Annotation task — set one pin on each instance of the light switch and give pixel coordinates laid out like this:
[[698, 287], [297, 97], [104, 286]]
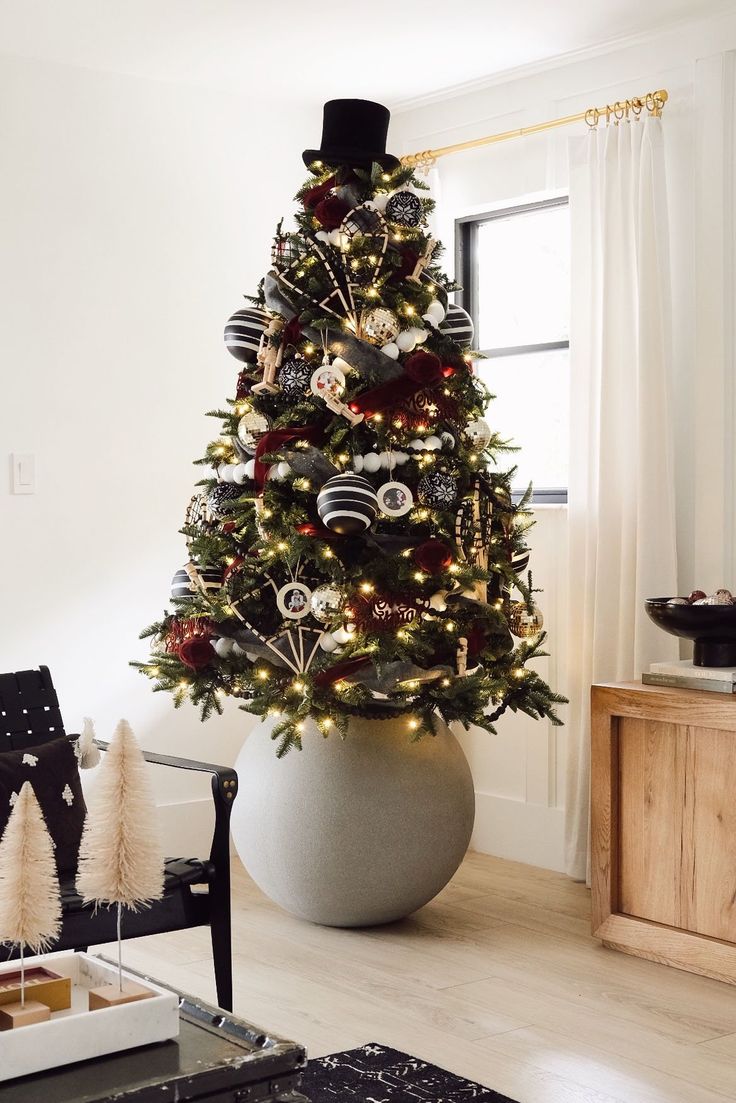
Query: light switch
[[23, 472]]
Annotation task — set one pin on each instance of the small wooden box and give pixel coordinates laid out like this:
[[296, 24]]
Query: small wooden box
[[41, 984], [663, 825]]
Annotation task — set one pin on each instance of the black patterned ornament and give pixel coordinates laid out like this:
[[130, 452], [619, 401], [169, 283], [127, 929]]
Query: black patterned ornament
[[347, 504], [458, 326], [191, 580], [243, 333], [294, 376], [437, 488], [221, 499], [405, 208]]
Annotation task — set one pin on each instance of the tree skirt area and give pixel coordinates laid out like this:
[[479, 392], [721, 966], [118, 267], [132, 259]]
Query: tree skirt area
[[375, 1074]]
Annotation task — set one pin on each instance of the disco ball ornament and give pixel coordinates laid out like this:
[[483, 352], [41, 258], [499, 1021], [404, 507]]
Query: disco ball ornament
[[347, 504], [380, 325], [524, 623], [326, 602], [478, 433], [251, 428]]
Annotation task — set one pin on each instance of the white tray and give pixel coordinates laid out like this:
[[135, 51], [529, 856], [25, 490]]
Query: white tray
[[79, 1034]]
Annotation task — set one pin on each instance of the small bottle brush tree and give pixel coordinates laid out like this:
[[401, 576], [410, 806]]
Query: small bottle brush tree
[[355, 546], [30, 905], [120, 863]]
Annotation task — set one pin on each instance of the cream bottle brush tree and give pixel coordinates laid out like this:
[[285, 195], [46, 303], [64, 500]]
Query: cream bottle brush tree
[[120, 862], [30, 904]]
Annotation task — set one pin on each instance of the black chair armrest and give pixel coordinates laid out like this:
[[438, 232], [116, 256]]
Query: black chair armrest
[[224, 791]]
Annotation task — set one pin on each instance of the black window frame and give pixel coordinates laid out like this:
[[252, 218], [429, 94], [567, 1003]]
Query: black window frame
[[466, 268]]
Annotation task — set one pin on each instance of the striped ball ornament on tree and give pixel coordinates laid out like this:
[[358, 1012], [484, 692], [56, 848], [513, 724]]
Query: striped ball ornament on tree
[[347, 504]]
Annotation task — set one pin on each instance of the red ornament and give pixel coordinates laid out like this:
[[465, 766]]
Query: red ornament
[[331, 211], [424, 368], [196, 652], [291, 332], [311, 198], [432, 556], [230, 568], [409, 258], [184, 628], [477, 638], [243, 387]]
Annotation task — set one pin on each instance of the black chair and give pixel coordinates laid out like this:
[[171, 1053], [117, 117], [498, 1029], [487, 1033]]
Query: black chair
[[30, 716]]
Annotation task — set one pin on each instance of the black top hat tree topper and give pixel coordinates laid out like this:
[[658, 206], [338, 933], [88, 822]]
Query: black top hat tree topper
[[353, 133]]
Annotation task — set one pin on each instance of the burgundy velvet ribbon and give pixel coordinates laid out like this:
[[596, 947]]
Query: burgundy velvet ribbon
[[271, 442]]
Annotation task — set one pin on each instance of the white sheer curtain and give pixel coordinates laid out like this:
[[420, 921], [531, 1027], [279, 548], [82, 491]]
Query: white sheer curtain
[[621, 492]]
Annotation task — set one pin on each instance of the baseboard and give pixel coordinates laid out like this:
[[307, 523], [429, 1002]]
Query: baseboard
[[186, 827], [530, 833]]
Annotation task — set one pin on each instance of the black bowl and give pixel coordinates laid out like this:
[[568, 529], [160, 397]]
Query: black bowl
[[712, 627]]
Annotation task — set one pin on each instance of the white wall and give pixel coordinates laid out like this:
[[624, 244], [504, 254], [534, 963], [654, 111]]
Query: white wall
[[134, 216], [520, 798]]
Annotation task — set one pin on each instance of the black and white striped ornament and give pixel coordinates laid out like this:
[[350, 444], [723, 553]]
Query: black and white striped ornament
[[520, 561], [458, 326], [221, 498], [347, 504], [191, 580], [294, 376], [243, 333]]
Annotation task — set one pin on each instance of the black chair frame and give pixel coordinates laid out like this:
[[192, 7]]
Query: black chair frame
[[30, 716]]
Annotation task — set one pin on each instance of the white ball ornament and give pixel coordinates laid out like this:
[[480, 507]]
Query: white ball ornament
[[357, 464], [240, 472], [391, 350], [433, 443], [437, 601], [328, 643], [380, 200], [430, 320], [342, 636], [385, 458], [372, 463], [436, 310], [400, 458], [340, 364], [417, 445], [250, 469], [225, 472], [223, 647], [322, 235], [420, 335], [406, 340]]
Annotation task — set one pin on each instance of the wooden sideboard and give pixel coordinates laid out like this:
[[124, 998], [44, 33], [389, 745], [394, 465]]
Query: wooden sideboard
[[663, 825]]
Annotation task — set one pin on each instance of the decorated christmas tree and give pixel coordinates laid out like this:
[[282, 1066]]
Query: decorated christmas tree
[[354, 546]]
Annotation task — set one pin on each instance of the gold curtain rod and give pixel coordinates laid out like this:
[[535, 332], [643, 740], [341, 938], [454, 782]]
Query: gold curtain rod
[[653, 102]]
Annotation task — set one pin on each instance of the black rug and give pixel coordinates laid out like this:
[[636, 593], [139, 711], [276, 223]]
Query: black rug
[[376, 1074]]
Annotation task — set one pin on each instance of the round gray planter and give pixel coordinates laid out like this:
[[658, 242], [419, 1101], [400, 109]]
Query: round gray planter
[[357, 832]]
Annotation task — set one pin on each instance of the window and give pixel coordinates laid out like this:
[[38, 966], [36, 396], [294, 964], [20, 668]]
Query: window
[[514, 265]]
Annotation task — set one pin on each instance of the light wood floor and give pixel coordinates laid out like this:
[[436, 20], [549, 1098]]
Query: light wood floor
[[497, 980]]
